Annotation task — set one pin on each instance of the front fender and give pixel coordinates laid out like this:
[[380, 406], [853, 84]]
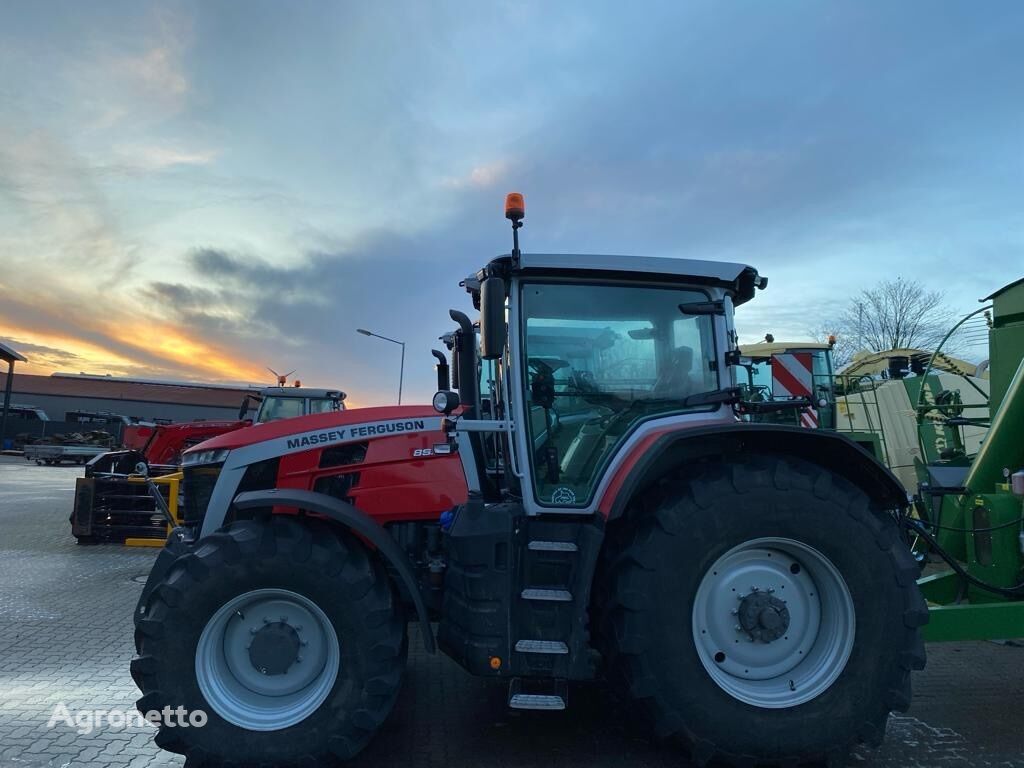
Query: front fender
[[359, 523]]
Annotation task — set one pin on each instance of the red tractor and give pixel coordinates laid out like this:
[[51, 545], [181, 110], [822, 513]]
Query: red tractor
[[115, 500], [161, 445], [580, 502]]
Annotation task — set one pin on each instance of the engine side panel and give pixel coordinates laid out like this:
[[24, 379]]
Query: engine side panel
[[399, 478], [386, 467]]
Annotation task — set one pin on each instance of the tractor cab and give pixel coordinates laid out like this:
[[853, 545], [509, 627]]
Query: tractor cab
[[583, 356], [288, 402], [774, 371]]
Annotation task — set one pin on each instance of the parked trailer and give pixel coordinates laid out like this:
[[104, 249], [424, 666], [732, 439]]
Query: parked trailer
[[61, 454]]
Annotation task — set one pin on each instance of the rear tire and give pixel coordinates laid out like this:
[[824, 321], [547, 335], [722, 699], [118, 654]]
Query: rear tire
[[314, 596], [688, 665]]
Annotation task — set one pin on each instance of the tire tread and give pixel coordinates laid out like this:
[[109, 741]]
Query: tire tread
[[631, 553]]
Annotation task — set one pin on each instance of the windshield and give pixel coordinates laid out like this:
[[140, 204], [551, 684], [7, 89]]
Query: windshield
[[274, 408], [324, 404], [600, 358]]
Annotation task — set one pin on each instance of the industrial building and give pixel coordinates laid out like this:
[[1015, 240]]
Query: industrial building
[[70, 398]]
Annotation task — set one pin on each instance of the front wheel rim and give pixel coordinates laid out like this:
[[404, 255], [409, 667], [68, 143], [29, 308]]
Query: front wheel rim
[[773, 622], [267, 659]]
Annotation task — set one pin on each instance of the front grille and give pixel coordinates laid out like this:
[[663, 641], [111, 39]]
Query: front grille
[[260, 476], [197, 488]]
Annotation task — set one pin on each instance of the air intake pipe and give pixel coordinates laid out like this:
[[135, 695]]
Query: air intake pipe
[[443, 382], [465, 343], [464, 351]]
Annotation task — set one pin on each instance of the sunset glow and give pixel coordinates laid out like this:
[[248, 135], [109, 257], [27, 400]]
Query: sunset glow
[[176, 204]]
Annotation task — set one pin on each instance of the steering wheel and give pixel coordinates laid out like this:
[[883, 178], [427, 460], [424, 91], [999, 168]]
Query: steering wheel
[[542, 384], [760, 393]]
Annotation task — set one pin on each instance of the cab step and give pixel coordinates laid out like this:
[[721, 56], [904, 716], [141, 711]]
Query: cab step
[[542, 646], [553, 546], [543, 695], [554, 595]]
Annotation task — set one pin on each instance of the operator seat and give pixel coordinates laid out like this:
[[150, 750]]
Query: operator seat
[[676, 379]]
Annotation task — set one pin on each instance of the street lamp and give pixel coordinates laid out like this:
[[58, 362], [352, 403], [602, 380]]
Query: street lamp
[[401, 370]]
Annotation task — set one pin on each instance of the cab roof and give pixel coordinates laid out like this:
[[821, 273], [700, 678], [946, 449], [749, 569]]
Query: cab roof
[[313, 392], [740, 280], [766, 349]]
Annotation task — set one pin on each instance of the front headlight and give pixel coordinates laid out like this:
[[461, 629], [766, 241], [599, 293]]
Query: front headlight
[[199, 458]]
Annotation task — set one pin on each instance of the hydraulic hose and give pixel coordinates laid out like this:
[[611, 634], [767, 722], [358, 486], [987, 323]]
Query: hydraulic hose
[[989, 529], [918, 527]]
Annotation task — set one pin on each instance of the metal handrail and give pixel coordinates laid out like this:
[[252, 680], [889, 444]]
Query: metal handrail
[[848, 383], [922, 411]]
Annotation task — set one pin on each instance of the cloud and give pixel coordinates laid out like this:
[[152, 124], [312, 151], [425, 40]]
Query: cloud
[[158, 158], [479, 177], [183, 297], [42, 356], [119, 337], [61, 210], [157, 70], [234, 199], [303, 315], [142, 81]]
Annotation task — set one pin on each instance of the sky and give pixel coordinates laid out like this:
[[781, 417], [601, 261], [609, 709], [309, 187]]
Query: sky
[[204, 190]]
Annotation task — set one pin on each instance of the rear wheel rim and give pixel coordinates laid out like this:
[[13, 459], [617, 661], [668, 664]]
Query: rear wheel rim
[[773, 622], [267, 659]]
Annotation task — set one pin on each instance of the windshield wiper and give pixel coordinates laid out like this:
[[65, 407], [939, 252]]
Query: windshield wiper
[[703, 308], [771, 406], [726, 395], [712, 397]]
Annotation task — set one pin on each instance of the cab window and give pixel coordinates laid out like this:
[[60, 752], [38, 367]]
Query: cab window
[[324, 404], [275, 408], [600, 359]]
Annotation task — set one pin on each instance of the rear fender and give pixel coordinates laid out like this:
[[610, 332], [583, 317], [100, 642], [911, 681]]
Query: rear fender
[[360, 524], [668, 450]]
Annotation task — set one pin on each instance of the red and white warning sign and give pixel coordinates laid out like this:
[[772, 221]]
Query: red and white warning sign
[[791, 375], [809, 418]]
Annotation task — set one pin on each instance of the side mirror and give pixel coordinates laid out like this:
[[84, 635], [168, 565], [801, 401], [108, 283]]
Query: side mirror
[[493, 332]]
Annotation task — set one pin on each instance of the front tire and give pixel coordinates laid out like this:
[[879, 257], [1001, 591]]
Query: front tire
[[286, 634], [762, 612]]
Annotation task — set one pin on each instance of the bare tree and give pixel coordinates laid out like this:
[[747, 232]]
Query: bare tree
[[843, 349], [894, 314]]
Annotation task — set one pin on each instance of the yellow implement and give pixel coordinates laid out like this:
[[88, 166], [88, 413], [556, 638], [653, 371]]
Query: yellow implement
[[172, 482]]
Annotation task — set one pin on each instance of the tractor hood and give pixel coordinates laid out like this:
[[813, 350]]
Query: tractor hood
[[362, 422]]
